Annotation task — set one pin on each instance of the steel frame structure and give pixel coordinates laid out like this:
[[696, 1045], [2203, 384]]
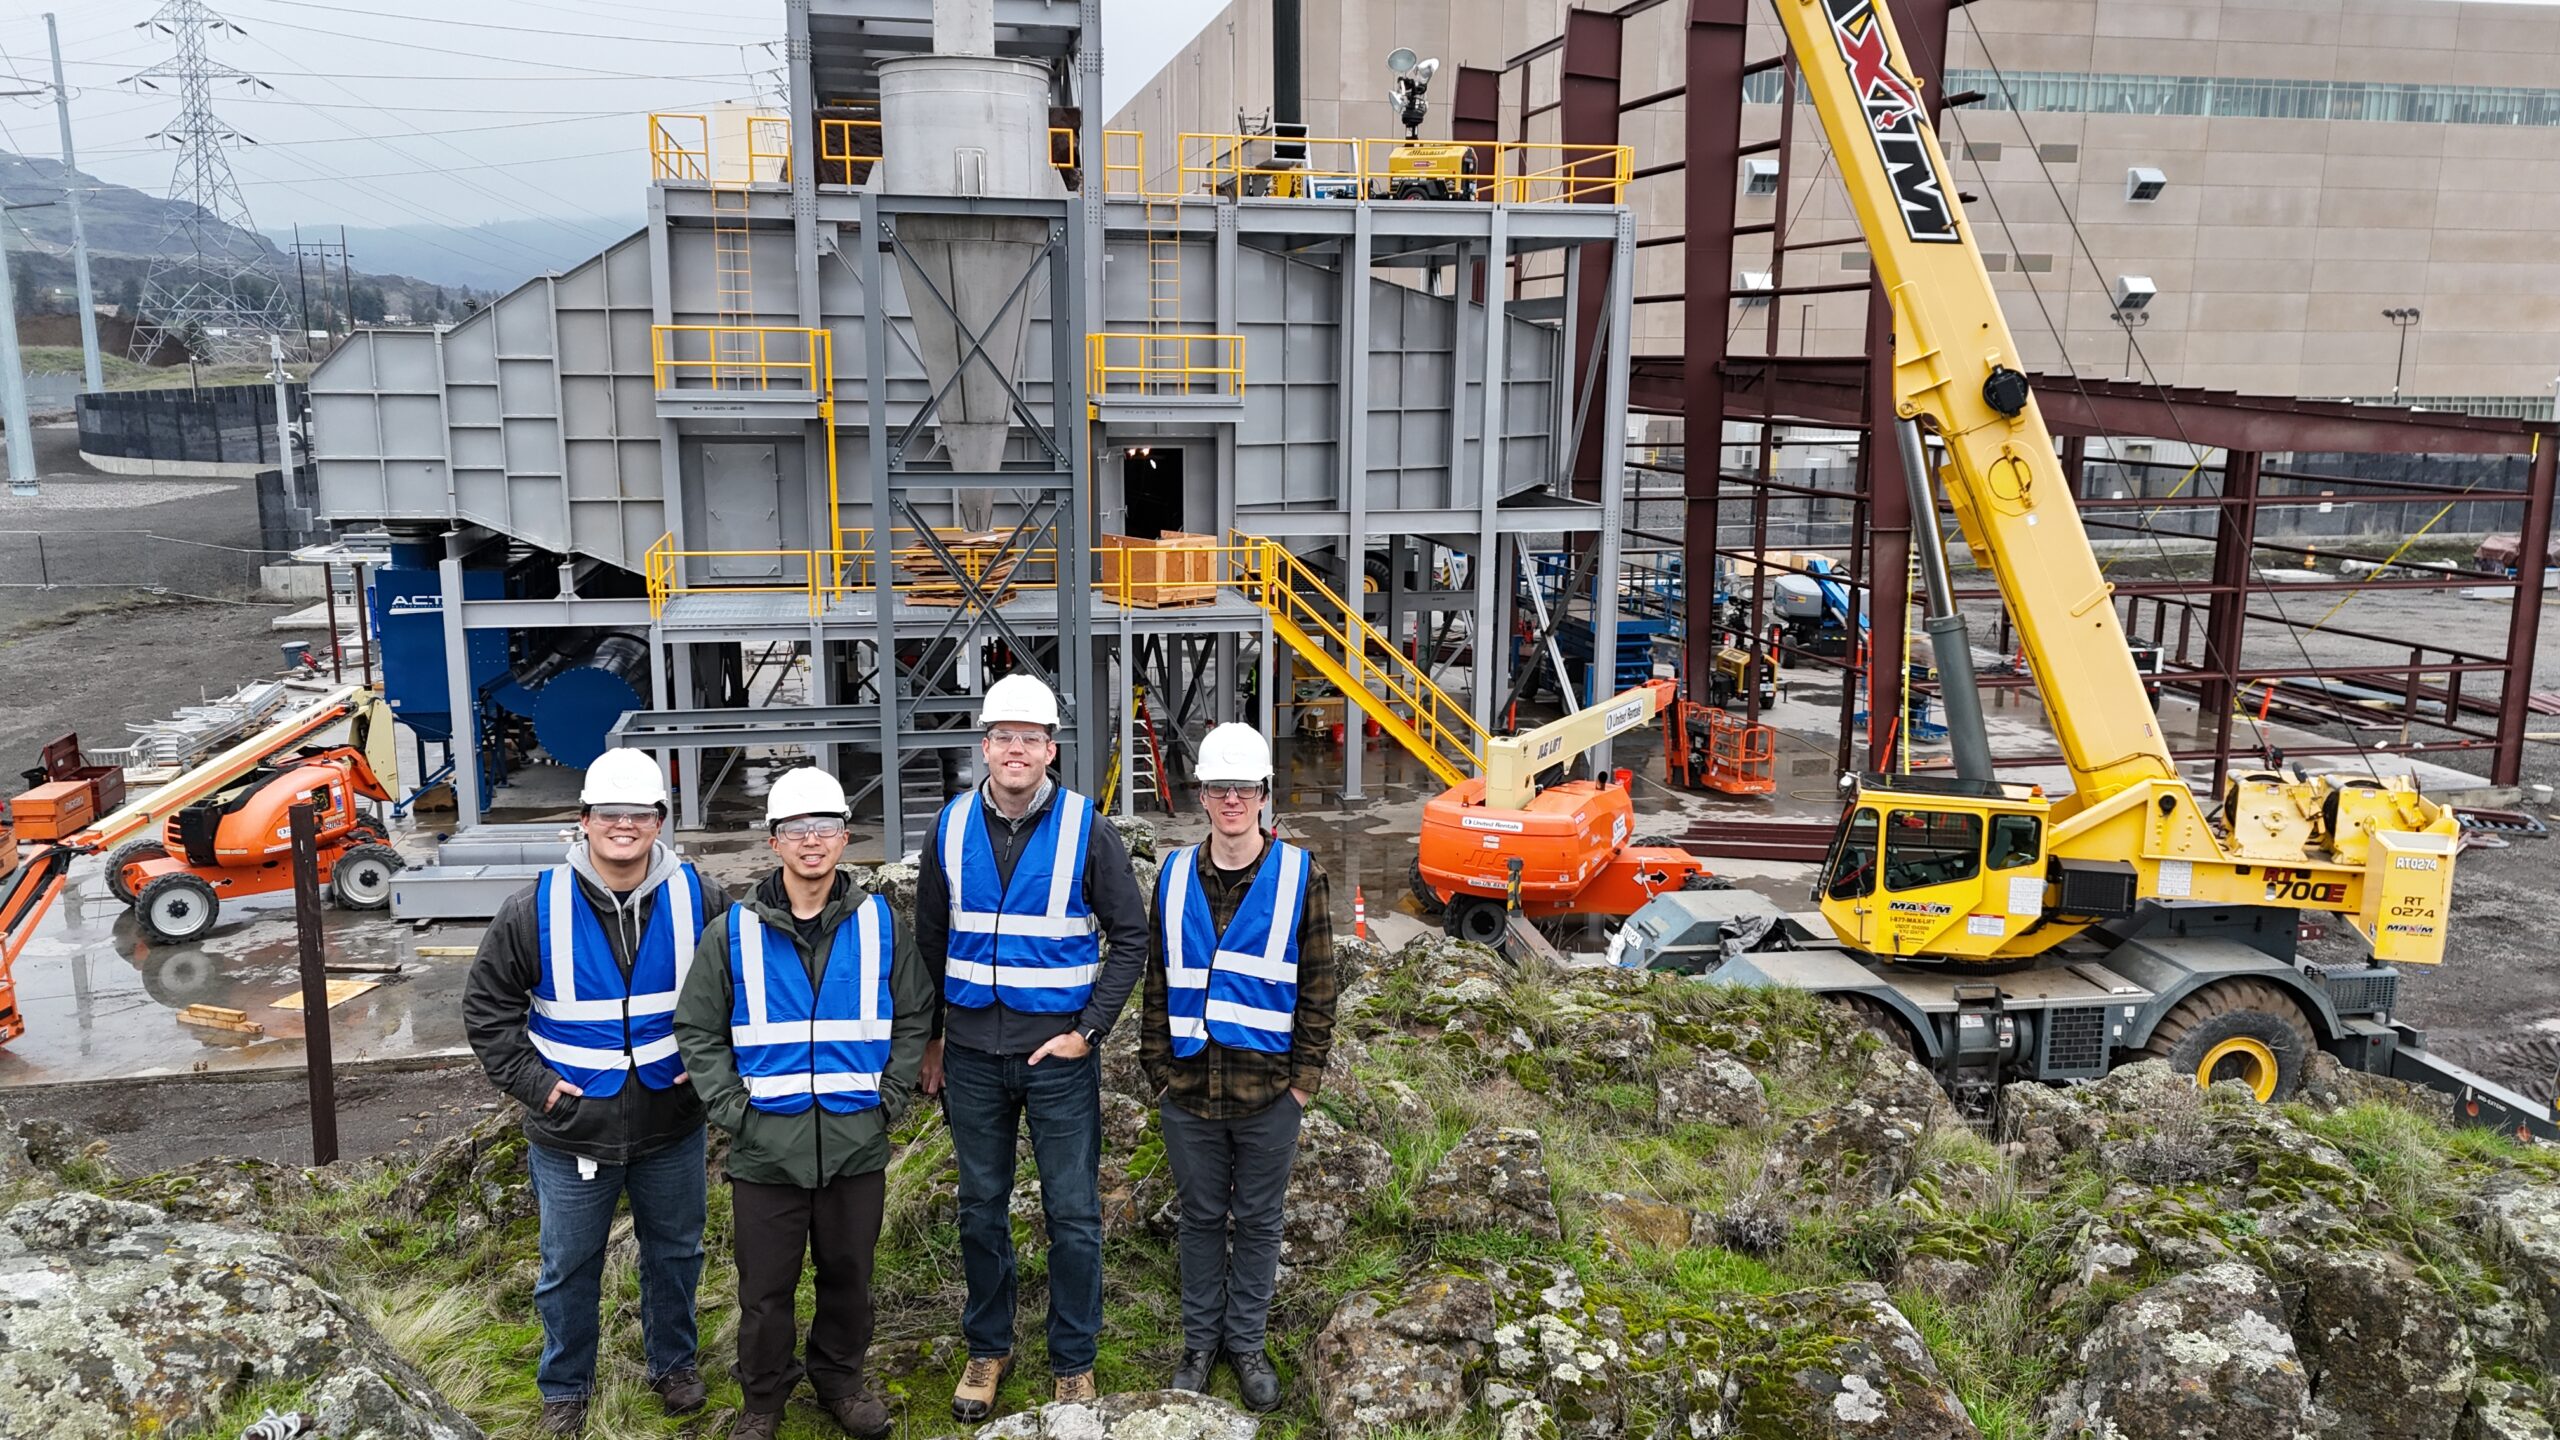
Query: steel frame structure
[[1710, 384]]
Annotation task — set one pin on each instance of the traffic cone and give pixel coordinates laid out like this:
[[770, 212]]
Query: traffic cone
[[1359, 913]]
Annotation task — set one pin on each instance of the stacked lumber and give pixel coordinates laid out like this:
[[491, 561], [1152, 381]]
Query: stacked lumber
[[928, 580]]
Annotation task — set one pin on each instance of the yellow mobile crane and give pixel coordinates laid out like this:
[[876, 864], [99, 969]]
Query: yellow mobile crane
[[2011, 932]]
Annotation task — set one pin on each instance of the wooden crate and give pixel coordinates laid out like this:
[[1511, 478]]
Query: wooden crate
[[1177, 569]]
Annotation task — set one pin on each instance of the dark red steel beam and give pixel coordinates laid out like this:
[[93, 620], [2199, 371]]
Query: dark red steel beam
[[2524, 622], [1714, 65], [1587, 92]]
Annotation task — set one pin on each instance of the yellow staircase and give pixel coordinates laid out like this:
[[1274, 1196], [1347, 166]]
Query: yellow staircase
[[1331, 635]]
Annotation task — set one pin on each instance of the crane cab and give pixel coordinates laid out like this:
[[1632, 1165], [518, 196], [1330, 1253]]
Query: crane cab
[[1932, 865]]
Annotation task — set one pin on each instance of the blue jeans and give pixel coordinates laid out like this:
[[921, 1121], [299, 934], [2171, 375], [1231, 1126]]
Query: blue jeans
[[666, 1190], [985, 1098]]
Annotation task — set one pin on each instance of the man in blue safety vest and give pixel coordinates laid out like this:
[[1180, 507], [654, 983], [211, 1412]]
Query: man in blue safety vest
[[804, 1025], [1027, 910], [1239, 1023], [570, 1006]]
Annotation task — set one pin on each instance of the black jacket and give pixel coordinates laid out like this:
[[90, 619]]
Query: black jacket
[[608, 1129], [816, 1146], [1110, 888]]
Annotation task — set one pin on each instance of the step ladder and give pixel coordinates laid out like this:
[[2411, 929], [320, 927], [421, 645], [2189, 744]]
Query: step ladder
[[921, 793], [1161, 369], [1145, 760], [733, 345]]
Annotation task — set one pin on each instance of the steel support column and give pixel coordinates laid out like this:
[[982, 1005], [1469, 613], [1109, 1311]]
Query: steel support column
[[1718, 30], [1613, 479], [1587, 93], [2524, 624], [462, 703], [1493, 599], [2227, 609]]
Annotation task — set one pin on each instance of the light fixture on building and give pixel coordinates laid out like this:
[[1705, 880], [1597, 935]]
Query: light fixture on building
[[2406, 319], [2134, 294], [2142, 184], [1759, 177], [1756, 287]]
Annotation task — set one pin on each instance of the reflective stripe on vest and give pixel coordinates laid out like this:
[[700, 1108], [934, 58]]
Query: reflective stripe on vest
[[592, 1023], [796, 1047], [1030, 941], [1245, 995]]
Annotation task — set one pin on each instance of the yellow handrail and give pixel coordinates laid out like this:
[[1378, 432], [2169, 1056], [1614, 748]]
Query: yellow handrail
[[1510, 172], [845, 141], [671, 157], [743, 357], [1164, 364], [663, 569]]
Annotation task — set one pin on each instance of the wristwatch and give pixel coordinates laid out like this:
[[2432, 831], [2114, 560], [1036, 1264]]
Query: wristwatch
[[1092, 1035]]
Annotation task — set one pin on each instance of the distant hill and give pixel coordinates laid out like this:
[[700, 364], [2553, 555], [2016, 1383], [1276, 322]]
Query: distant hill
[[412, 273], [497, 256]]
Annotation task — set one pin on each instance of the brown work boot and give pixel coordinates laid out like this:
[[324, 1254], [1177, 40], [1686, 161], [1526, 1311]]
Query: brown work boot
[[1077, 1389], [974, 1399], [564, 1417], [755, 1425], [681, 1392], [863, 1414]]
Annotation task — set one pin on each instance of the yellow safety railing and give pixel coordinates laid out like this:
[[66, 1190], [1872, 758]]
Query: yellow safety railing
[[768, 149], [1216, 163], [1143, 363], [1124, 162], [1330, 633], [741, 357], [679, 147], [663, 568], [1512, 172], [849, 142]]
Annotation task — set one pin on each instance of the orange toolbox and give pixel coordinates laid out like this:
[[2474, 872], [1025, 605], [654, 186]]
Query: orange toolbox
[[55, 810]]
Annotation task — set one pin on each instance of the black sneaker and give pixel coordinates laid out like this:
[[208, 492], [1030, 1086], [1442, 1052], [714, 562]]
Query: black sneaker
[[1193, 1373], [564, 1417], [681, 1391], [1255, 1379]]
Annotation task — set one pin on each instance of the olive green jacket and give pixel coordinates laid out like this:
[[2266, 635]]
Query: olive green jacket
[[816, 1146]]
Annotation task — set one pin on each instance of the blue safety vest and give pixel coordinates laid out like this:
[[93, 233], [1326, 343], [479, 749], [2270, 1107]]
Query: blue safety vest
[[1241, 988], [796, 1045], [592, 1023], [1031, 942]]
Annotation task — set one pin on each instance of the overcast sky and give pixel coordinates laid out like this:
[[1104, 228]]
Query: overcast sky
[[398, 112], [402, 112]]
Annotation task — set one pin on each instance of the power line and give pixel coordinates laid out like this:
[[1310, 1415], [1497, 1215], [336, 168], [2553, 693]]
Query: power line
[[442, 23]]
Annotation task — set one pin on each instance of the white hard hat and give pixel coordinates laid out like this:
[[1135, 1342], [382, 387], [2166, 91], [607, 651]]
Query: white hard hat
[[1022, 698], [1233, 754], [805, 791], [624, 777]]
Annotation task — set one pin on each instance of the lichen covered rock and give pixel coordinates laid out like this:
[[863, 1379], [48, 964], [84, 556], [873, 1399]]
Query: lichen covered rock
[[116, 1320], [1335, 1177], [1495, 1179], [1715, 1090], [2200, 1356], [363, 1403], [1621, 1223], [1409, 1362], [1839, 1362], [478, 1179], [1133, 1415], [2385, 1349]]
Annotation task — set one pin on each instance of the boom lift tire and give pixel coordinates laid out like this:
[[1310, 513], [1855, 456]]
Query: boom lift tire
[[1473, 917], [147, 848], [177, 909], [1423, 895], [361, 880], [2245, 1030]]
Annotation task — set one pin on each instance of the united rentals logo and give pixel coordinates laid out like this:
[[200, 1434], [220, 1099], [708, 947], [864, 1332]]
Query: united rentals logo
[[1892, 106]]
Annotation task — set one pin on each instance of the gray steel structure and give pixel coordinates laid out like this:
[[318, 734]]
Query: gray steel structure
[[1364, 418]]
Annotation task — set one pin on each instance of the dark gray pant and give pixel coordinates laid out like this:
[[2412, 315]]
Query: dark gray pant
[[1230, 1170]]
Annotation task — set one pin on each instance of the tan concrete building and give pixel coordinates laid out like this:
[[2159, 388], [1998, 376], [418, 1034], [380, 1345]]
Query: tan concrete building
[[2317, 163]]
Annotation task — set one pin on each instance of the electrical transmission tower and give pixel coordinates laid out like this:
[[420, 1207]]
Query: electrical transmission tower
[[211, 289]]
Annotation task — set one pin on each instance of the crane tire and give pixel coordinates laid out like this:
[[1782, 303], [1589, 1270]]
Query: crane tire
[[1881, 1018], [1477, 919], [2245, 1030], [361, 878]]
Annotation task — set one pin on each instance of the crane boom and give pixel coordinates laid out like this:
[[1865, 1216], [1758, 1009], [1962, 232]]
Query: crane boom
[[1971, 869]]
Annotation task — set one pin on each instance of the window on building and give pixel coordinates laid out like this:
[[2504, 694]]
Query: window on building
[[2058, 154], [1982, 150], [1856, 260], [2063, 92], [1995, 261], [2035, 264]]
